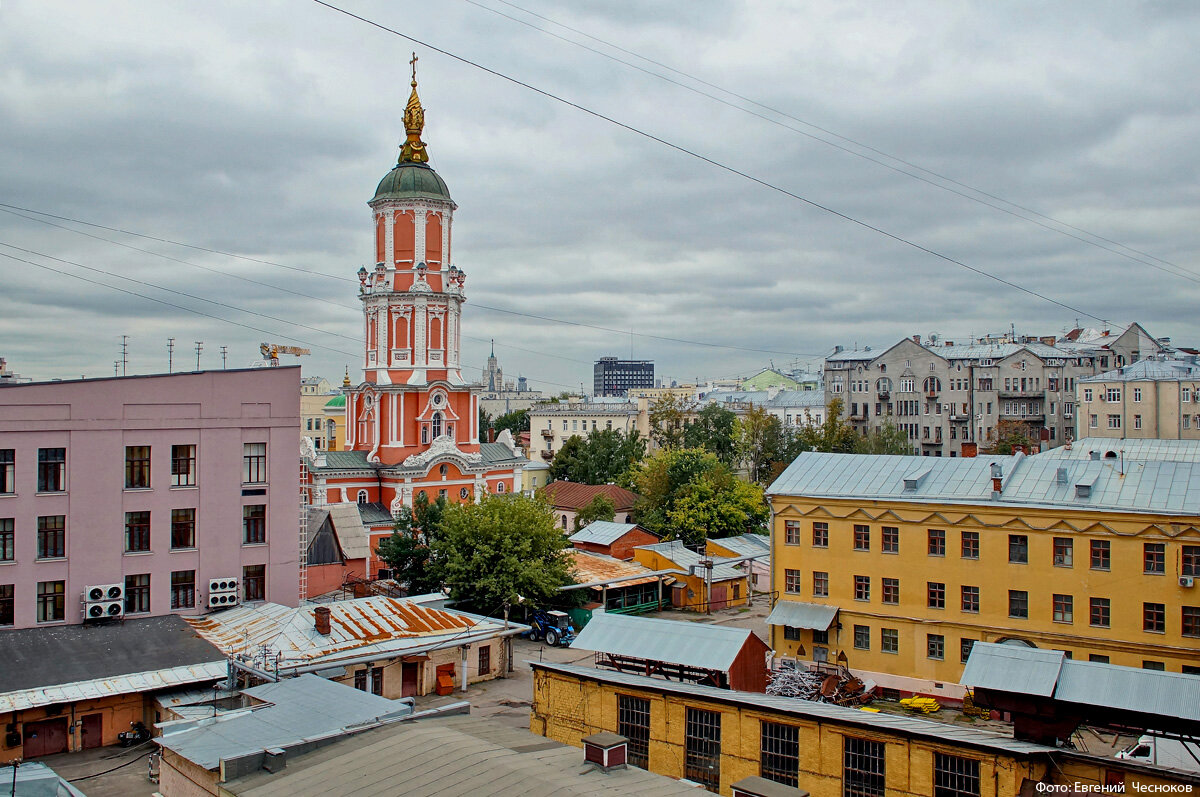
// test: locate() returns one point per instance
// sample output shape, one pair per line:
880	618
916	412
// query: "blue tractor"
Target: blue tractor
553	626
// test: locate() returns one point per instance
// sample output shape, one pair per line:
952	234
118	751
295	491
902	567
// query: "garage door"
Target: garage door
46	737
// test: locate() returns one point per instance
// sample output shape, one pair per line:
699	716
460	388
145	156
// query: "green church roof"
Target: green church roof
409	180
336	401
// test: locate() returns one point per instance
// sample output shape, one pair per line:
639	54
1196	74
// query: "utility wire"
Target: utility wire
718	164
835	145
624	332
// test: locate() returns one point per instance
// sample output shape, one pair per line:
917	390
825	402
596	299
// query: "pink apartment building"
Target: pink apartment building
158	485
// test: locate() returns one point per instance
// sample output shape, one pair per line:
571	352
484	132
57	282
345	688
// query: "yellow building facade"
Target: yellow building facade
922	564
717	737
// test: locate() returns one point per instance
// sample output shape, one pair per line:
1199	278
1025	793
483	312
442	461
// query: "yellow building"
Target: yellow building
897	565
717	737
335	423
726	586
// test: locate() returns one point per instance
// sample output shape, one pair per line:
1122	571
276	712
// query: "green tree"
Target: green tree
759	441
603	457
601	507
887	439
833	435
712	430
516	422
409	551
1007	436
485	421
504	546
668	420
689	494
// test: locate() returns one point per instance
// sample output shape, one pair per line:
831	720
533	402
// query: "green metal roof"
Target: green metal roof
336	401
408	180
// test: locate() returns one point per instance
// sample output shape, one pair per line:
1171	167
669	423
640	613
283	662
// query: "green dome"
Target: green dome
412	180
336	401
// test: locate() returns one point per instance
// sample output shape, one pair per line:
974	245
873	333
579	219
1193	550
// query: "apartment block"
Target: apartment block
129	496
1150	399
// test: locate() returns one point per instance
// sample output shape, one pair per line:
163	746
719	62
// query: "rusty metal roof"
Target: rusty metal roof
364	625
98	688
591	567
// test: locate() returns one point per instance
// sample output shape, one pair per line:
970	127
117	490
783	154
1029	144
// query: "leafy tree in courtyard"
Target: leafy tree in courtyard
887	439
667	416
485	420
504	546
712	430
1007	436
833	435
599	508
409	550
603	457
759	440
516	422
689	494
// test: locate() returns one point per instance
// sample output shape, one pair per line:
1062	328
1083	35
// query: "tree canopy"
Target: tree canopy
601	507
760	440
516	422
668	416
712	430
602	457
688	494
502	547
1007	436
410	550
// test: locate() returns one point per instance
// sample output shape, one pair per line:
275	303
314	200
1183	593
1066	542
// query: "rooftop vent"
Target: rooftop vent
605	750
913	480
322	620
1061	476
1083	491
1095	456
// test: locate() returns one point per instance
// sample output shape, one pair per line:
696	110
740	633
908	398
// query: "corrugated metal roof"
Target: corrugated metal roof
300	708
825	712
1148	449
685	557
117	685
1144	486
363	625
1048	673
1167	694
347	524
452	756
375	514
497	453
602	532
746	545
855	356
1150	371
1013	668
573	495
694	644
797	614
345	460
591	567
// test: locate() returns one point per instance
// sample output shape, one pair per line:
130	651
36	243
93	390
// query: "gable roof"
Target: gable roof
347	525
685	558
374	514
605	532
704	645
573	495
592	567
745	544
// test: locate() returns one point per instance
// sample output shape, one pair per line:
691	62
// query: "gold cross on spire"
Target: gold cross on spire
413	149
413	62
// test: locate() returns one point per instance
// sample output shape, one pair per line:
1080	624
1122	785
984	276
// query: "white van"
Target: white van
1172	753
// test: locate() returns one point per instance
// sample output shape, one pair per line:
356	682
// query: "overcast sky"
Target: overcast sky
262	129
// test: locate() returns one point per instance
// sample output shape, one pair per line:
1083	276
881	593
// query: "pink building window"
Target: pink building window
137	531
254	582
137	467
183	589
254	463
183	528
52	537
254	524
183	466
137	594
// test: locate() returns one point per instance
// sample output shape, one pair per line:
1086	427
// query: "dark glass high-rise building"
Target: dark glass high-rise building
613	377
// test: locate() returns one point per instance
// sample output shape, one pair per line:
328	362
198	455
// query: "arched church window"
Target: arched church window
424	434
437	425
362	496
463	493
442	471
450	429
500	487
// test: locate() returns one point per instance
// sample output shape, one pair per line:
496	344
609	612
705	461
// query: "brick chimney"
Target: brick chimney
322	616
491	434
970	450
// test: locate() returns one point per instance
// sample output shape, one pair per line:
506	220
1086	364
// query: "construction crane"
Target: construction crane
271	352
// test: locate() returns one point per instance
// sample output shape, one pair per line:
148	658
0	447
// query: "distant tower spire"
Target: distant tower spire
346	378
413	150
493	347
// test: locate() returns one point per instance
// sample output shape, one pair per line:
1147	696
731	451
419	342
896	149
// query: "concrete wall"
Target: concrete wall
94	420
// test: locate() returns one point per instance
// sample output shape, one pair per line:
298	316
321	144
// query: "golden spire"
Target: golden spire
346	378
413	150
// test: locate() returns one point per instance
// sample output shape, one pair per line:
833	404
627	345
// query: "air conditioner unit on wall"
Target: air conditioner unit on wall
223	592
1187	581
103	601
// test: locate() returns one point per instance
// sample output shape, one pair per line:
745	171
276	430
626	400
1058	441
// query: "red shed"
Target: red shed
612	539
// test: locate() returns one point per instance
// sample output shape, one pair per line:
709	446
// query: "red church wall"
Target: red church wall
433	239
379	240
403	238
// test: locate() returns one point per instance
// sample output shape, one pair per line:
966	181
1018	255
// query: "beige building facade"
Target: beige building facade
1150	399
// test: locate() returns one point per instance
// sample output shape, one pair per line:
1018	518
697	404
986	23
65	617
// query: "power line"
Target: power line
11	208
723	166
837	146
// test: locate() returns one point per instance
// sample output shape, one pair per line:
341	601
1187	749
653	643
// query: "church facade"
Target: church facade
411	425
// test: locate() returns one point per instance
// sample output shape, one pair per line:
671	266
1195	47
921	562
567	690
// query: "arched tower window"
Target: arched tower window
437	425
362	496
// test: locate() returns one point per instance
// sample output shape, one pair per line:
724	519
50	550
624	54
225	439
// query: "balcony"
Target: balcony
858	417
1018	394
960	417
547	455
932	394
1028	417
933	441
548	434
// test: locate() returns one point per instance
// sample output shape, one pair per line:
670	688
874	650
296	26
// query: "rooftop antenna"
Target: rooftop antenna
116	367
170	354
224	352
124	353
199	348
